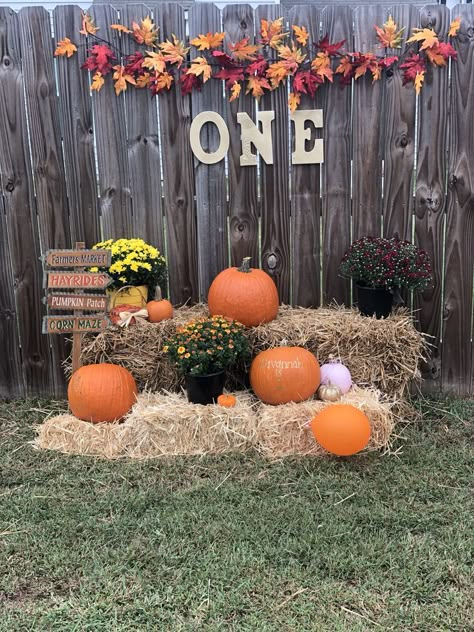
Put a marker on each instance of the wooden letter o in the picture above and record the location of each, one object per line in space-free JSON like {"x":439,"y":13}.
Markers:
{"x":195,"y":137}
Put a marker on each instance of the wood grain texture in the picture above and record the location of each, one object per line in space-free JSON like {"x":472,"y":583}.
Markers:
{"x":399,"y":143}
{"x":75,"y":111}
{"x":178,"y":173}
{"x":19,"y":205}
{"x":274,"y":185}
{"x":46,"y":151}
{"x":336,"y":191}
{"x":306,"y":194}
{"x":367,"y":127}
{"x":430,"y":198}
{"x":238,"y":22}
{"x":11,"y":379}
{"x":457,"y":352}
{"x":143,"y":150}
{"x":211,"y":194}
{"x":111,"y":141}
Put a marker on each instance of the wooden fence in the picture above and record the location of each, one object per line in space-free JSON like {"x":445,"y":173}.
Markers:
{"x":80,"y":167}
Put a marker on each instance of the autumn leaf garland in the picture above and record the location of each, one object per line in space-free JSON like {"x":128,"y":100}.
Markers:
{"x":277,"y":57}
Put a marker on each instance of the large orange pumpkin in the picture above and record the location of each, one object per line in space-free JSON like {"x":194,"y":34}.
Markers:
{"x":159,"y":308}
{"x":284,"y":374}
{"x":341,"y":429}
{"x":245,"y":294}
{"x":101,"y":392}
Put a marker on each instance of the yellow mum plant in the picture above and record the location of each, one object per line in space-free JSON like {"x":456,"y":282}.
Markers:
{"x":134,"y":262}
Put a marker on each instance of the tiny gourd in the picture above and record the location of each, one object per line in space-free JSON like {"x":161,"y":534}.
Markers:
{"x":329,"y":393}
{"x":159,"y":308}
{"x":227,"y":401}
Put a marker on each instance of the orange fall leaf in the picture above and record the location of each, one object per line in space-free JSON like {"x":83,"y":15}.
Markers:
{"x":97,"y":81}
{"x":271,"y":32}
{"x":88,"y":26}
{"x":243,"y":51}
{"x":121,"y":28}
{"x":294,"y":101}
{"x":200,"y":66}
{"x":209,"y":41}
{"x":146,"y":32}
{"x":235,"y":91}
{"x":301,"y":34}
{"x":427,"y":36}
{"x":454,"y":27}
{"x":175,"y":51}
{"x":121,"y":79}
{"x":65,"y":47}
{"x":419,"y":78}
{"x":388,"y":35}
{"x":154,"y":61}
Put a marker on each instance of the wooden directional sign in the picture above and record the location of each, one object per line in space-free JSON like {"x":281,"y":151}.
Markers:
{"x":73,"y":324}
{"x":78,"y":258}
{"x":84,"y":302}
{"x":78,"y":280}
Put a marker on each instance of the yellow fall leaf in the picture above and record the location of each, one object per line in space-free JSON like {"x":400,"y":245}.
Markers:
{"x":88,"y":26}
{"x":65,"y":47}
{"x":388,"y":35}
{"x":419,"y":78}
{"x":143,"y":81}
{"x":175,"y":51}
{"x":146,"y":32}
{"x":271,"y":32}
{"x":209,"y":41}
{"x":235,"y":91}
{"x":454,"y":27}
{"x":121,"y":28}
{"x":154,"y":61}
{"x":427,"y":36}
{"x":121,"y":79}
{"x":200,"y":66}
{"x":294,"y":101}
{"x":97,"y":81}
{"x":301,"y":34}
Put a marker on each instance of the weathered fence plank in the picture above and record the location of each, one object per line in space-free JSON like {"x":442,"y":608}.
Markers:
{"x":336,"y":191}
{"x":211,"y":194}
{"x":238,"y":22}
{"x":143,"y":150}
{"x":75,"y":111}
{"x":21,"y":222}
{"x":11,"y":379}
{"x":111,"y":140}
{"x":367,"y":117}
{"x":274,"y":183}
{"x":46,"y":150}
{"x":430,"y":198}
{"x":306,"y":193}
{"x":175,"y":115}
{"x":399,"y":150}
{"x":457,"y":352}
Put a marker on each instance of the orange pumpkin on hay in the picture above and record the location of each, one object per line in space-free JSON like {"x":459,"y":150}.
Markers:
{"x":101,"y":392}
{"x":247,"y":295}
{"x":284,"y":374}
{"x":159,"y":308}
{"x":341,"y":429}
{"x":227,"y":401}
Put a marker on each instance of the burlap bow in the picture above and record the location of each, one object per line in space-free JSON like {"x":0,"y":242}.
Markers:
{"x":125,"y":318}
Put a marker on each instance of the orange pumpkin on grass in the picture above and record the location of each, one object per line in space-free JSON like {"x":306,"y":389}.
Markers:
{"x":101,"y":392}
{"x":159,"y":308}
{"x":245,"y":294}
{"x":284,"y":374}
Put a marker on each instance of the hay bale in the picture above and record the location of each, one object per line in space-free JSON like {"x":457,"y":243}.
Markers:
{"x":384,"y":354}
{"x":166,"y":424}
{"x":67,"y":434}
{"x":284,"y":430}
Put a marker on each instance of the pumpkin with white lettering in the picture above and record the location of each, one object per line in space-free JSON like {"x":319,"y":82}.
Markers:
{"x":285,"y":374}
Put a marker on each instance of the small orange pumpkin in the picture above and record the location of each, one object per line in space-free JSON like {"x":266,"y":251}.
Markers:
{"x":101,"y":392}
{"x":284,"y":374}
{"x":159,"y":308}
{"x":227,"y":401}
{"x":245,"y":294}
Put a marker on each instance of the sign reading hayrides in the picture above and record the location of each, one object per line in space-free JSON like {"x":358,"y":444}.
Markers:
{"x":261,"y":140}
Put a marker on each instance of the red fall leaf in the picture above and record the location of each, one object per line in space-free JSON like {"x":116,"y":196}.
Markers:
{"x":100,"y":59}
{"x":331,"y":49}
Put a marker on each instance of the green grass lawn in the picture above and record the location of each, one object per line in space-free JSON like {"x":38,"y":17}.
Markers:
{"x":239,"y":543}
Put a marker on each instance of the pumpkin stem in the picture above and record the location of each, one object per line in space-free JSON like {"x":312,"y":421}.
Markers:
{"x":158,"y":294}
{"x":245,"y":267}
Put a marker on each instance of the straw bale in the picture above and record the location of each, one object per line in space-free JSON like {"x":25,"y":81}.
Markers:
{"x":384,"y":354}
{"x":284,"y":430}
{"x":166,"y":424}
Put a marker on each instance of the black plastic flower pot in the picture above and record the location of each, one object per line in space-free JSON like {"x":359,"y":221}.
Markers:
{"x":204,"y":389}
{"x":374,"y":301}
